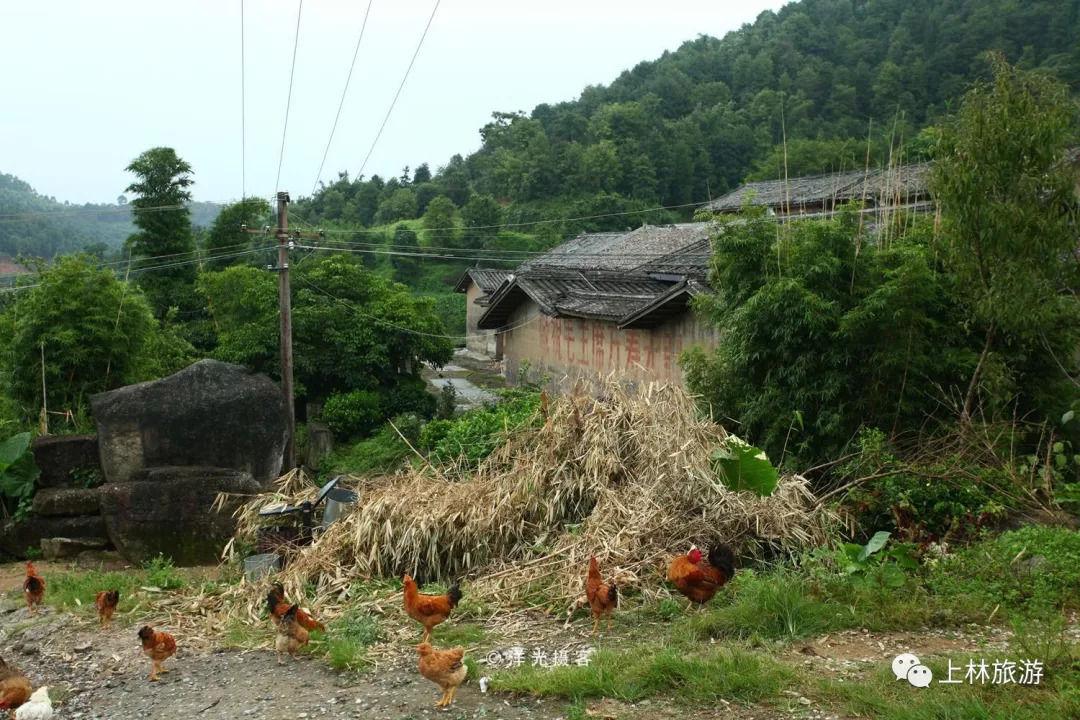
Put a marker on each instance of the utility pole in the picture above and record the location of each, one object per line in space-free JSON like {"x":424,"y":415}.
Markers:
{"x":285,"y":308}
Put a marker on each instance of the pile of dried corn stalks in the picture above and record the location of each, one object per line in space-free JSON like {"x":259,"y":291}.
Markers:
{"x":624,"y":475}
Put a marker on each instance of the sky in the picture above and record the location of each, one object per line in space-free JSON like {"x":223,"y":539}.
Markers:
{"x":88,"y":86}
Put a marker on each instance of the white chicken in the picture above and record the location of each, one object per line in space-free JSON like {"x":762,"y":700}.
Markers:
{"x":38,"y":707}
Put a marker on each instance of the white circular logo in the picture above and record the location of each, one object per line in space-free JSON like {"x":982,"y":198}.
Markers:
{"x":902,"y":663}
{"x":920,"y":676}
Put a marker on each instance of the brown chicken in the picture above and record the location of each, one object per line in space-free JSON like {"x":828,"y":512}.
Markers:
{"x":14,"y":687}
{"x":603,"y":597}
{"x":444,"y":668}
{"x":291,"y":634}
{"x":699,"y":579}
{"x":276,"y":606}
{"x":33,"y":588}
{"x":159,"y":647}
{"x":429,"y":610}
{"x":106,"y":602}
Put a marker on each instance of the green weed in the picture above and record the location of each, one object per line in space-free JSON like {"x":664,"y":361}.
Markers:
{"x":692,"y":676}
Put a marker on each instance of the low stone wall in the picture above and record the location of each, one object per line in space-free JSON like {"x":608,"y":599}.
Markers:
{"x":63,"y":507}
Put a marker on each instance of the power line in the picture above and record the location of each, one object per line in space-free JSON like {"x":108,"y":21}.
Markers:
{"x":402,"y":328}
{"x":398,"y":93}
{"x":531,"y":223}
{"x":31,"y":214}
{"x":153,"y":268}
{"x":175,"y":256}
{"x":489,"y":258}
{"x":288,"y":100}
{"x":348,"y":79}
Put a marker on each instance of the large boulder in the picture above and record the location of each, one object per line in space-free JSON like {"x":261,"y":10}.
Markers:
{"x":67,"y":460}
{"x":209,"y":414}
{"x":19,"y":536}
{"x":169,"y":511}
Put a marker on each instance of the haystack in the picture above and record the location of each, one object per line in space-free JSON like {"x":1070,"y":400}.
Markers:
{"x":621,"y":474}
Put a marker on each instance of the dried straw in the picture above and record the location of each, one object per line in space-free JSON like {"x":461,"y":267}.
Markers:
{"x":621,"y":474}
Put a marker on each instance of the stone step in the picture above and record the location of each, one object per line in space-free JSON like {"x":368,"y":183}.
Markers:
{"x":67,"y":502}
{"x":18,"y":537}
{"x":61,"y":548}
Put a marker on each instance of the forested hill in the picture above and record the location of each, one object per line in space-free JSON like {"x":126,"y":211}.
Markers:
{"x":36,"y":225}
{"x":699,"y":120}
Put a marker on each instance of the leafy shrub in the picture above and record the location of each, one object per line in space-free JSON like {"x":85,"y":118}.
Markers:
{"x":381,"y":452}
{"x":474,"y":435}
{"x":353,"y":414}
{"x":162,"y":574}
{"x":409,"y":396}
{"x":1033,"y":570}
{"x":922,"y":500}
{"x":447,"y":402}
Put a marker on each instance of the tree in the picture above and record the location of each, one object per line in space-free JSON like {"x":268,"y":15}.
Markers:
{"x":352,"y":328}
{"x":227,"y":236}
{"x":439,"y":222}
{"x":406,"y":266}
{"x":1009,"y":212}
{"x":164,"y":226}
{"x":399,"y":205}
{"x":875,"y":321}
{"x":422,"y":174}
{"x":482,"y":216}
{"x":94,"y":331}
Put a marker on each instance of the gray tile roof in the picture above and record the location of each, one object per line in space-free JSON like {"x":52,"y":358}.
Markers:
{"x":892,"y":186}
{"x":487,"y":279}
{"x":628,"y":252}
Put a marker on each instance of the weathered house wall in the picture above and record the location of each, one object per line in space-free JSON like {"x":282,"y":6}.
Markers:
{"x":575,"y":348}
{"x":481,"y":341}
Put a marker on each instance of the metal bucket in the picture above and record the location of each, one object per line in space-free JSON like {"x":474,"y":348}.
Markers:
{"x":333,"y":511}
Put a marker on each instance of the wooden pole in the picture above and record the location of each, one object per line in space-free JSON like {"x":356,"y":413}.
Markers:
{"x":285,"y":308}
{"x":44,"y":420}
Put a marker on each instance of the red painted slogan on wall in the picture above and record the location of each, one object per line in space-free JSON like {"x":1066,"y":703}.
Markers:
{"x":566,"y":343}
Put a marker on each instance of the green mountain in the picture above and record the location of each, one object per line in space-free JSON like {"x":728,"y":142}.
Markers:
{"x":35,"y":225}
{"x":826,"y":75}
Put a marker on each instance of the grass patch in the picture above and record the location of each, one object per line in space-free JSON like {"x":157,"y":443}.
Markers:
{"x":884,"y":697}
{"x":464,"y":635}
{"x":379,"y":453}
{"x":77,"y":589}
{"x":691,"y":676}
{"x":1031,"y":571}
{"x":347,"y":641}
{"x":775,"y":605}
{"x":244,"y":636}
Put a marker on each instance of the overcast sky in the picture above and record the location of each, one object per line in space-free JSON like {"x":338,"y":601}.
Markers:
{"x":89,"y":85}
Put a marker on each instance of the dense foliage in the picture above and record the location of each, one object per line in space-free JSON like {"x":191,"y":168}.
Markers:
{"x":352,"y":328}
{"x":832,"y":325}
{"x":92,"y":331}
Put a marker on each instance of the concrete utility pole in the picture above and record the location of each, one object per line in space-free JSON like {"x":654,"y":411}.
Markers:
{"x":285,"y":308}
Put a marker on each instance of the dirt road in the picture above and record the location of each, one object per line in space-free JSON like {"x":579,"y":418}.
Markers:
{"x":101,"y":674}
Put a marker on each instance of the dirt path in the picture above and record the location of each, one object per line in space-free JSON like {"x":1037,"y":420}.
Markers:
{"x":102,"y":674}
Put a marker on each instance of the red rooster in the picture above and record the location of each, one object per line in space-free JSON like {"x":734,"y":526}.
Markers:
{"x":699,"y":579}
